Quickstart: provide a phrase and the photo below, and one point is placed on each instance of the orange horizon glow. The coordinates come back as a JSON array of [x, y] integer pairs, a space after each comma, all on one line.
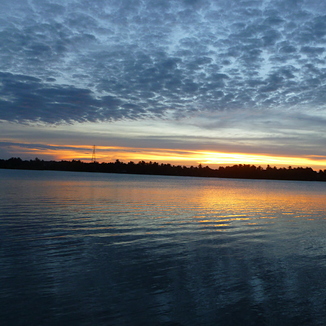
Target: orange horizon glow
[[173, 156]]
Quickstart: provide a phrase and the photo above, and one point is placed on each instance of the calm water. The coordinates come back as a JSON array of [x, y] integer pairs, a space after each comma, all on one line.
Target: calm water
[[109, 249]]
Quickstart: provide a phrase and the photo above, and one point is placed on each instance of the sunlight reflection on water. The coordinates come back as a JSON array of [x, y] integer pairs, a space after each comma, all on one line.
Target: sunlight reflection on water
[[100, 249]]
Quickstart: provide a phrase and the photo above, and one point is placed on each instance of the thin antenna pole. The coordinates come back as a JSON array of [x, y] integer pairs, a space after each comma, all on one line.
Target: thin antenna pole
[[93, 155]]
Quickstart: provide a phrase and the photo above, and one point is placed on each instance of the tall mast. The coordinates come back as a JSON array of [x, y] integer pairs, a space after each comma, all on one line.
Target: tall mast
[[93, 155]]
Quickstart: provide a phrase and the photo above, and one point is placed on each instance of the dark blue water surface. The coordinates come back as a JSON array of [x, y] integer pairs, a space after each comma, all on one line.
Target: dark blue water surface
[[109, 249]]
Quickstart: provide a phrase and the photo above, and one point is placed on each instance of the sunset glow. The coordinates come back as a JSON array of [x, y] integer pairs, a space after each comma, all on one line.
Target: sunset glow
[[173, 156], [161, 160], [182, 82]]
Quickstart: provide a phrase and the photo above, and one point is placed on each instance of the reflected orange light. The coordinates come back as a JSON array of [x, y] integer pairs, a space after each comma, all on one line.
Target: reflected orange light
[[218, 205]]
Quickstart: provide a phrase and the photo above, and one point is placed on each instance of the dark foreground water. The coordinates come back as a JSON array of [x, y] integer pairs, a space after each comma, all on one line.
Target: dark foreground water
[[108, 249]]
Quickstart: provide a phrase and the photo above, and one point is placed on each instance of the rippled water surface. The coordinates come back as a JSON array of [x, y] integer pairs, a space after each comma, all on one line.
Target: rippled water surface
[[110, 249]]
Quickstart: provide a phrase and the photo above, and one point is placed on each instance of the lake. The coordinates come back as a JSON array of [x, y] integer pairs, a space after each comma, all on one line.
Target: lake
[[116, 249]]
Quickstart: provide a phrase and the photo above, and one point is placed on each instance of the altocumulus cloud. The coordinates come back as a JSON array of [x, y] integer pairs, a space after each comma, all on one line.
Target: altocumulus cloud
[[79, 61]]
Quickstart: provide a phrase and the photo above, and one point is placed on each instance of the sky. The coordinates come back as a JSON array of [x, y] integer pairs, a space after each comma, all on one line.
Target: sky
[[213, 82]]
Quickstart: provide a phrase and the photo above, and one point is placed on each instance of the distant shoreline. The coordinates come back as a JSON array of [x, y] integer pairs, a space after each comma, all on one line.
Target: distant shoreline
[[240, 171]]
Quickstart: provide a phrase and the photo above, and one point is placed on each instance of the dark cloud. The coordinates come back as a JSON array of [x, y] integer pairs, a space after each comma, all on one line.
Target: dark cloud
[[26, 98], [65, 61], [310, 50]]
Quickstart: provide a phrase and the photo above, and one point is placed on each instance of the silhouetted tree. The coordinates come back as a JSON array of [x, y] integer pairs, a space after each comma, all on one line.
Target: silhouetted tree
[[235, 171]]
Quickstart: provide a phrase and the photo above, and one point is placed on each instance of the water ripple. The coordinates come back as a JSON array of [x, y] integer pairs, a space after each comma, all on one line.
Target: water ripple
[[82, 249]]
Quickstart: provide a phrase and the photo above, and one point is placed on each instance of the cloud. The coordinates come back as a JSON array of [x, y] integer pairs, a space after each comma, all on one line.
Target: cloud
[[26, 98], [67, 61]]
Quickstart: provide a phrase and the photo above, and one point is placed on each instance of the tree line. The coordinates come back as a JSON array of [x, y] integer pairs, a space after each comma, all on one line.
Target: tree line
[[241, 171]]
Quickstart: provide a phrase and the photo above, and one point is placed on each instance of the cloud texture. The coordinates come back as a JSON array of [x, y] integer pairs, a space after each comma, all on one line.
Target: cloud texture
[[86, 61]]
